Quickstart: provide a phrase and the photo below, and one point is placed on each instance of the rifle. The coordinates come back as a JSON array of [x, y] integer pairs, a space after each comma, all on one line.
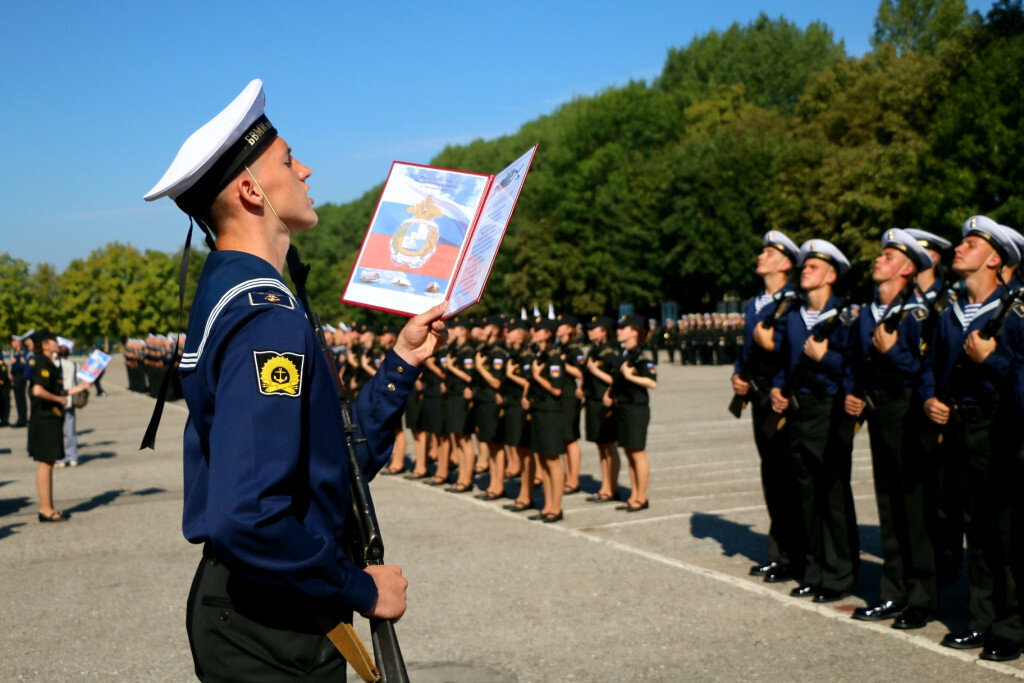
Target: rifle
[[367, 544], [993, 328], [738, 403], [776, 421], [860, 389]]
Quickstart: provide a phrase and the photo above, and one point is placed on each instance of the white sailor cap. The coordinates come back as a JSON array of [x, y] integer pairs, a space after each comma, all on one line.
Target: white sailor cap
[[993, 233], [343, 327], [329, 328], [774, 238], [1015, 237], [62, 341], [929, 240], [217, 152], [903, 241], [826, 251], [25, 336]]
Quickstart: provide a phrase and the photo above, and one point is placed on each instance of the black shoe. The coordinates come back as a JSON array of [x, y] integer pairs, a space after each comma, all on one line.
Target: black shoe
[[883, 609], [55, 516], [778, 574], [1000, 649], [913, 617], [804, 590], [19, 425], [829, 595], [964, 640], [762, 569]]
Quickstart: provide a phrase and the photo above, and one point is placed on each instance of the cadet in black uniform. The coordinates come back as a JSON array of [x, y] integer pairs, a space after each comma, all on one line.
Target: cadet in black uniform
[[960, 388], [885, 368], [602, 364], [758, 361], [458, 415], [432, 416], [489, 413], [813, 375], [637, 374], [19, 365], [517, 418], [547, 431], [46, 425], [571, 399], [5, 393], [670, 339]]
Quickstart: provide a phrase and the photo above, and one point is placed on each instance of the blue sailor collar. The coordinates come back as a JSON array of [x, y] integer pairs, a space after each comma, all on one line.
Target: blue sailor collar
[[226, 276]]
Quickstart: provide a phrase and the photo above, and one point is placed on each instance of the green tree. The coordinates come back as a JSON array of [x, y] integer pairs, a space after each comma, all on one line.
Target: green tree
[[917, 25], [772, 58]]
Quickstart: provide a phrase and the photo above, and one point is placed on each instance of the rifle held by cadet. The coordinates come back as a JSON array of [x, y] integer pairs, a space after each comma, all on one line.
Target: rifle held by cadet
[[738, 402], [776, 421]]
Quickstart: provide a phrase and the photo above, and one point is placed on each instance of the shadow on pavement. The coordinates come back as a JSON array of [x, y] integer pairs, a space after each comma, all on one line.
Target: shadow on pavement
[[94, 445], [9, 530], [5, 483], [82, 459], [96, 501], [79, 432], [9, 506]]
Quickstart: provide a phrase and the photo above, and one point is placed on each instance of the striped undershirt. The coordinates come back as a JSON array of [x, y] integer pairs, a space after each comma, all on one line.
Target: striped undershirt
[[811, 318], [970, 311]]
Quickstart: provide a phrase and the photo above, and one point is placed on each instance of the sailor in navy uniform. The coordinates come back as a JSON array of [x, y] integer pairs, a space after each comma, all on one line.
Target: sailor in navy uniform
[[962, 388], [266, 478], [816, 373], [20, 375], [885, 368], [758, 363]]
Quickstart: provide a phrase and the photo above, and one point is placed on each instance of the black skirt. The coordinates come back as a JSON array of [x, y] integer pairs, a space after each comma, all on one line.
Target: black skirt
[[46, 436], [457, 414], [631, 420], [600, 422], [516, 426], [485, 417], [432, 414], [413, 408], [547, 432]]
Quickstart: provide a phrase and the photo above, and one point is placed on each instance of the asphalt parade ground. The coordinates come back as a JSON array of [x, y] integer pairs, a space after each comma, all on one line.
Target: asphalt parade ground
[[661, 594]]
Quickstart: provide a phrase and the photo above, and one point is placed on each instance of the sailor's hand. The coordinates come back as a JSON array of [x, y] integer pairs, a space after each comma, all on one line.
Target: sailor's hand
[[763, 337], [977, 348], [883, 339], [739, 387], [853, 405], [815, 350], [422, 335], [779, 402], [937, 411], [467, 394], [627, 370], [391, 587]]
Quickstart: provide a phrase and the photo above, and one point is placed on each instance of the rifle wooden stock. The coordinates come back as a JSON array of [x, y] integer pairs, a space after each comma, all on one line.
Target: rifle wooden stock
[[368, 546]]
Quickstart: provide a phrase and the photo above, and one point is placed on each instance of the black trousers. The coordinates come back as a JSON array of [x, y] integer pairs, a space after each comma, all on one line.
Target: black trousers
[[19, 398], [5, 404], [777, 482], [821, 461], [978, 490], [901, 475], [243, 632]]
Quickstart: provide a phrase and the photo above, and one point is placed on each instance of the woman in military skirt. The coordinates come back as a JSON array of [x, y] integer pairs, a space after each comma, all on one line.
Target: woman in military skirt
[[46, 424], [601, 364], [636, 375], [547, 431], [432, 416], [517, 418]]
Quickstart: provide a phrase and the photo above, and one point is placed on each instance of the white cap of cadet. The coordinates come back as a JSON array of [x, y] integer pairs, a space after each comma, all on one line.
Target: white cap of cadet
[[215, 153]]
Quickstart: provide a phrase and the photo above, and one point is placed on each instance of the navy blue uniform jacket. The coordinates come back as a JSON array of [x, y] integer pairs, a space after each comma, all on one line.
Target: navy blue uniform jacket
[[982, 382], [900, 365], [830, 376], [266, 470], [750, 321]]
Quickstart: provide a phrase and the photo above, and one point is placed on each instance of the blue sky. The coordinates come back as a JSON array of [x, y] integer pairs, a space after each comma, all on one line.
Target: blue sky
[[96, 98]]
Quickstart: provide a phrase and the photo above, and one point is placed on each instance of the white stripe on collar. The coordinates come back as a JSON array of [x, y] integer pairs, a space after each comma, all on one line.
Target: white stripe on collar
[[189, 360]]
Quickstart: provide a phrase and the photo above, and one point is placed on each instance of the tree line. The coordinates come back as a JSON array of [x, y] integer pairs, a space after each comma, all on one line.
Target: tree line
[[661, 191]]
